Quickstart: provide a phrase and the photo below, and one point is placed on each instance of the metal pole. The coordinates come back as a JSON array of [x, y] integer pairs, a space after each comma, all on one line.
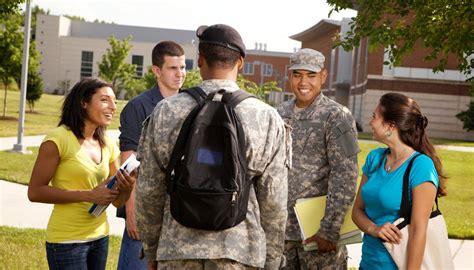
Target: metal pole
[[19, 147], [356, 83], [331, 68]]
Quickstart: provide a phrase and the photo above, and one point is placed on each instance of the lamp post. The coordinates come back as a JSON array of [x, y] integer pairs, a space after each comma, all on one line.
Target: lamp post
[[19, 147]]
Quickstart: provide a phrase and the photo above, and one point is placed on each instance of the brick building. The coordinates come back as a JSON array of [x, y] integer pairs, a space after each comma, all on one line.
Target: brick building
[[358, 78]]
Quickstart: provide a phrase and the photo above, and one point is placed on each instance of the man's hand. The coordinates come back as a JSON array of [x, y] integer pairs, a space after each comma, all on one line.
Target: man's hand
[[152, 265], [323, 244], [131, 223]]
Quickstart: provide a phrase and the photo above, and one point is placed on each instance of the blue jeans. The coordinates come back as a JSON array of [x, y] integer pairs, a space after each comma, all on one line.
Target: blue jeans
[[130, 254], [78, 256]]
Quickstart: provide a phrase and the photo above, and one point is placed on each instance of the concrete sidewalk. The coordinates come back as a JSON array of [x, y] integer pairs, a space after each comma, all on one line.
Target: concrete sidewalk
[[6, 143], [18, 211]]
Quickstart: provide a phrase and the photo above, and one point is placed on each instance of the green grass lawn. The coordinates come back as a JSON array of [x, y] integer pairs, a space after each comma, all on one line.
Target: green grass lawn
[[368, 136], [44, 117], [457, 206], [25, 249], [48, 108]]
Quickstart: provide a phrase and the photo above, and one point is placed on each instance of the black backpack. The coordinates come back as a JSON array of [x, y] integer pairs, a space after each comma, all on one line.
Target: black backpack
[[207, 173]]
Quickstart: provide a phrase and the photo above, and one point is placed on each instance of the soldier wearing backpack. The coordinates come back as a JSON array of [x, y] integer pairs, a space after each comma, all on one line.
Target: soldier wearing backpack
[[212, 189]]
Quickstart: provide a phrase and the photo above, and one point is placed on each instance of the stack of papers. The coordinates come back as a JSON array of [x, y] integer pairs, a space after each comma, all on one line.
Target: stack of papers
[[310, 212]]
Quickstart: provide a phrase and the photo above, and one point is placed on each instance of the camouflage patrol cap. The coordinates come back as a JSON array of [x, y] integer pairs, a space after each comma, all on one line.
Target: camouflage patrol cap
[[307, 59], [223, 35]]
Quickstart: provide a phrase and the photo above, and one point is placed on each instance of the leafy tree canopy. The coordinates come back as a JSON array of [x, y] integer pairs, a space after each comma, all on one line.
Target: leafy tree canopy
[[255, 89], [443, 26], [193, 78], [11, 44], [10, 6]]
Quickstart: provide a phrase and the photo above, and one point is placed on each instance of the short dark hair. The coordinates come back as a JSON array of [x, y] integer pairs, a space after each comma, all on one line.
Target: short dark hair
[[165, 48], [73, 114], [218, 56]]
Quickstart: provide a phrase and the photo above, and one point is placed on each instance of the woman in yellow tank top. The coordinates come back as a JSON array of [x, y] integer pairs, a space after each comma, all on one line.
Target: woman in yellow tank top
[[74, 164]]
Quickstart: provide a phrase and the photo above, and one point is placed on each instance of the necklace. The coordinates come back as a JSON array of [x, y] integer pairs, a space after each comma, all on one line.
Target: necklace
[[395, 163]]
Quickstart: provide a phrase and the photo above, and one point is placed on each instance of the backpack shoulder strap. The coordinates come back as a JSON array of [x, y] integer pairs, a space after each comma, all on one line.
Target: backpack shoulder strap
[[197, 93], [405, 209], [234, 98]]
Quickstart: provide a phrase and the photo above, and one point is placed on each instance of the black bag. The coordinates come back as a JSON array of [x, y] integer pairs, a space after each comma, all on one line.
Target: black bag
[[206, 176]]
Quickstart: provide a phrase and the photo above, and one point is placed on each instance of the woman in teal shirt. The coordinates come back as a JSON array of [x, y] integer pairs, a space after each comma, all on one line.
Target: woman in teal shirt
[[398, 123]]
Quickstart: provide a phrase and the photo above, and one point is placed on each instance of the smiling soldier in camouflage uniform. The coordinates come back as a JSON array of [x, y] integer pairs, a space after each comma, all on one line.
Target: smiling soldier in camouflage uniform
[[256, 242], [324, 162]]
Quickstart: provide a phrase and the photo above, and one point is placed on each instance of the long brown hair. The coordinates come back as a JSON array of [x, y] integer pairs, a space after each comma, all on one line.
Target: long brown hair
[[405, 114]]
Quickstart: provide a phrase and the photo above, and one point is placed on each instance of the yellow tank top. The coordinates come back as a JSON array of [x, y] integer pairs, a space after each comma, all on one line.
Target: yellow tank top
[[76, 171]]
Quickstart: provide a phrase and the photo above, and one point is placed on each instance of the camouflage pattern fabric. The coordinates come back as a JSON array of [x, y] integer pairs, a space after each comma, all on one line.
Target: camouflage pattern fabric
[[258, 241], [298, 258], [307, 59], [218, 264], [324, 162]]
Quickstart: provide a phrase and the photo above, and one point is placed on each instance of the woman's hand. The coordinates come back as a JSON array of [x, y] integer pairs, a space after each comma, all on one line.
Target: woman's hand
[[387, 232], [125, 184], [102, 195]]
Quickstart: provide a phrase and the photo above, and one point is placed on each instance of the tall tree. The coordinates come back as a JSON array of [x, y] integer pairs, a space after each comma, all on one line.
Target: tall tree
[[34, 85], [113, 67], [444, 27], [11, 43], [34, 88]]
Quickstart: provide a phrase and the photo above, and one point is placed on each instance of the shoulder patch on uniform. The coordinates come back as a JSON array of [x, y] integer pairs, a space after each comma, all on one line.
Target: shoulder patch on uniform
[[342, 128]]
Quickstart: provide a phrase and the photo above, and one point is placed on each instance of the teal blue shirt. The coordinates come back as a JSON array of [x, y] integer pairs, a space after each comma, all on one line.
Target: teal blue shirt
[[382, 194]]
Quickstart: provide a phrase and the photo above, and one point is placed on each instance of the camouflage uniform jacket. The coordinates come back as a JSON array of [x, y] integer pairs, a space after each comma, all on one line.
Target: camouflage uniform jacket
[[258, 241], [324, 161]]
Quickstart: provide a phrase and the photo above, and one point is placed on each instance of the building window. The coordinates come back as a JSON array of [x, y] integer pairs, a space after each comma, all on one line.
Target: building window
[[189, 63], [86, 64], [248, 69], [287, 96], [138, 61], [267, 70]]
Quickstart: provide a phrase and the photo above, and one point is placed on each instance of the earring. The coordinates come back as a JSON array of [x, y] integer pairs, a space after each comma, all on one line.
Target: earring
[[388, 133]]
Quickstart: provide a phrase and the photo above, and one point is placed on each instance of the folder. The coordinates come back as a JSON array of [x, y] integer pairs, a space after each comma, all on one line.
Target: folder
[[310, 211]]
